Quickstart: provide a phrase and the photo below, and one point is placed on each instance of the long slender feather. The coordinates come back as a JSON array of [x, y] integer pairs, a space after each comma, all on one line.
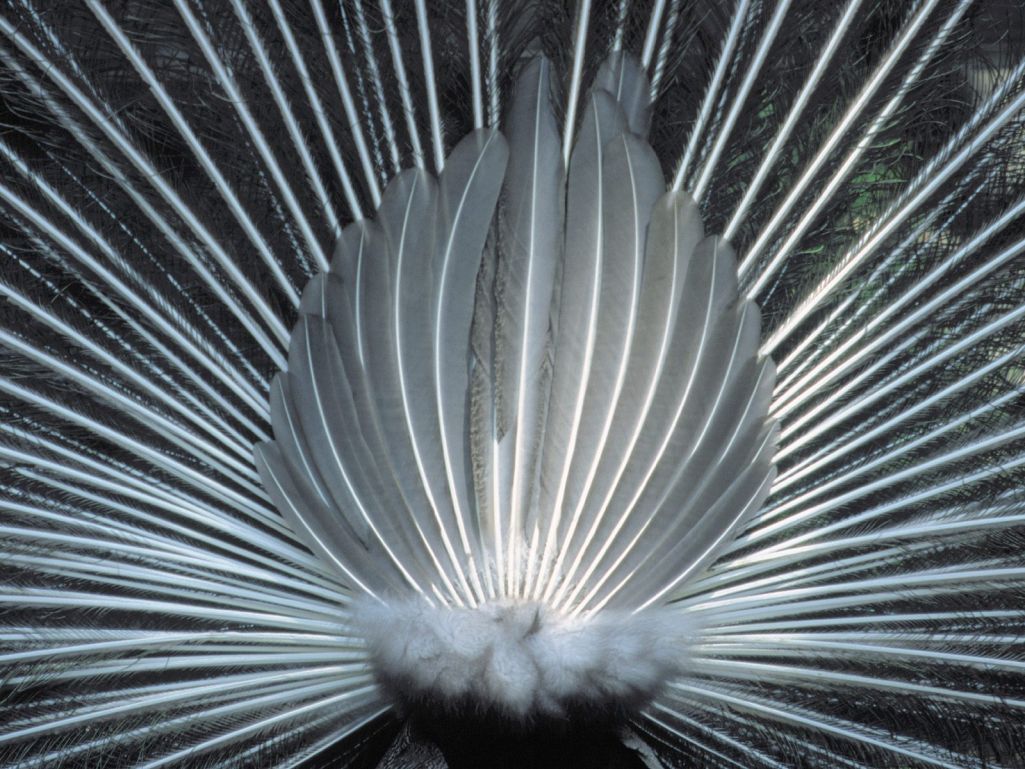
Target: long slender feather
[[577, 326], [529, 243], [632, 180]]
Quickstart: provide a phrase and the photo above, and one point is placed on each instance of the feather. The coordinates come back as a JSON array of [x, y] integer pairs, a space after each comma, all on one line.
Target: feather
[[672, 235], [577, 319], [632, 180], [364, 375], [528, 248], [623, 77], [468, 190]]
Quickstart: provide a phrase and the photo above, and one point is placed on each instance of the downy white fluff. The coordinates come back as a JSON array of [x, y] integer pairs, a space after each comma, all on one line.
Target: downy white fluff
[[521, 660]]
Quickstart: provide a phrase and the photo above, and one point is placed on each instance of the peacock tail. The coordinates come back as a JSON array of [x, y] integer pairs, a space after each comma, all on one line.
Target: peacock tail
[[640, 374]]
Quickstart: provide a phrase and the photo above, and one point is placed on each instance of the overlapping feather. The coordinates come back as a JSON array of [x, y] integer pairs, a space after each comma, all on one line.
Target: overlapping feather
[[176, 173]]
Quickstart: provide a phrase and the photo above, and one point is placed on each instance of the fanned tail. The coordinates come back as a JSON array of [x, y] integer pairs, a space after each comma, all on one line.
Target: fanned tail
[[176, 175]]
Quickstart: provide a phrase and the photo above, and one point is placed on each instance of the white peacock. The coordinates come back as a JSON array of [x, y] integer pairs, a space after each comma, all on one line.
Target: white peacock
[[521, 409]]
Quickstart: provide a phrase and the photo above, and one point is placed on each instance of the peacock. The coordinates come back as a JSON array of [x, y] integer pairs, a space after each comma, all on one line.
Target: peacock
[[512, 383]]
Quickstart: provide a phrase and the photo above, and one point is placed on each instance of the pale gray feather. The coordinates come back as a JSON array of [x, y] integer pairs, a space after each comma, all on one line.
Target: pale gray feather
[[394, 370], [715, 405], [576, 319], [468, 192], [632, 182], [530, 234], [624, 77], [673, 234]]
